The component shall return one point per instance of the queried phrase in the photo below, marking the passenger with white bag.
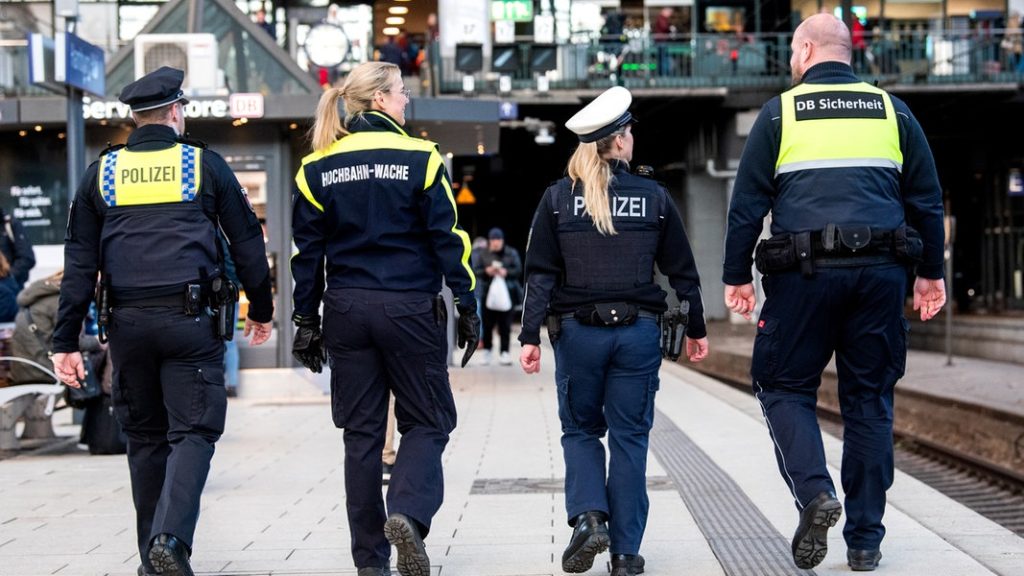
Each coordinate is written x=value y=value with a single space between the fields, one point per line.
x=498 y=271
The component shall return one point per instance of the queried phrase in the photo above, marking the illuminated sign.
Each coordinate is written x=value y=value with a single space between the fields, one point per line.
x=79 y=64
x=246 y=105
x=115 y=110
x=514 y=10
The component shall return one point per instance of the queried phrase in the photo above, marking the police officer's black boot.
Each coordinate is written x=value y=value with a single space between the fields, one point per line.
x=146 y=569
x=863 y=560
x=810 y=543
x=373 y=571
x=627 y=564
x=169 y=556
x=589 y=538
x=403 y=533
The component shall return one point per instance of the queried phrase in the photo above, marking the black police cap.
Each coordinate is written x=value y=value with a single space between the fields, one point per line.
x=160 y=87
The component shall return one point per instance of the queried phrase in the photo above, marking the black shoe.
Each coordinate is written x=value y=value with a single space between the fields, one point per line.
x=146 y=569
x=863 y=560
x=405 y=536
x=386 y=469
x=374 y=571
x=169 y=556
x=627 y=564
x=589 y=538
x=810 y=543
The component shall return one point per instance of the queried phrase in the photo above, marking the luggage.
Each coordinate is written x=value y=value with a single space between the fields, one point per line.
x=101 y=430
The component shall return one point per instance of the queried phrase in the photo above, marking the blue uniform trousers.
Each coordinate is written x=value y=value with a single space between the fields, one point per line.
x=168 y=393
x=381 y=343
x=857 y=313
x=607 y=379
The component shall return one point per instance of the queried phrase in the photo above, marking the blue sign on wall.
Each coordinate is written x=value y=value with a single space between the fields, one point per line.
x=508 y=110
x=80 y=64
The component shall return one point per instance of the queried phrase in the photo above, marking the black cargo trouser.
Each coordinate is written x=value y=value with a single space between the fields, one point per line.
x=169 y=396
x=381 y=342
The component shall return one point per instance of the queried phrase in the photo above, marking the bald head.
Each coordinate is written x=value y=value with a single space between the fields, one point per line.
x=820 y=38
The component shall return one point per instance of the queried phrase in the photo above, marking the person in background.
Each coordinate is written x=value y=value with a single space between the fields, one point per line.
x=261 y=21
x=856 y=204
x=9 y=289
x=231 y=356
x=17 y=248
x=498 y=260
x=590 y=273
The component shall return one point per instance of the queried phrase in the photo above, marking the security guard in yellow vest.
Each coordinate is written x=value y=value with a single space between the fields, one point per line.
x=847 y=174
x=147 y=215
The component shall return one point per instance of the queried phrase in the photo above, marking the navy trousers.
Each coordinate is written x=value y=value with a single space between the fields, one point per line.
x=856 y=313
x=169 y=396
x=607 y=379
x=381 y=343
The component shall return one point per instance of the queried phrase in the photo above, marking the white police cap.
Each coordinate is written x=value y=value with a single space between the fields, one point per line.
x=606 y=114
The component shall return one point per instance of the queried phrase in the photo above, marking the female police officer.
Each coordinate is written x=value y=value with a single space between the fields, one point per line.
x=377 y=206
x=596 y=237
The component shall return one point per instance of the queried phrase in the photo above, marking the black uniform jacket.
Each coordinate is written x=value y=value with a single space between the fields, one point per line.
x=756 y=190
x=569 y=264
x=222 y=199
x=376 y=211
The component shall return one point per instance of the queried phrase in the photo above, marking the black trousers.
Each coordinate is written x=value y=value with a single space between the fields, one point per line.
x=169 y=396
x=381 y=343
x=501 y=320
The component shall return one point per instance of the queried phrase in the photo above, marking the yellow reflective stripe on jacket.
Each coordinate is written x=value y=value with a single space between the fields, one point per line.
x=467 y=246
x=133 y=178
x=361 y=141
x=837 y=142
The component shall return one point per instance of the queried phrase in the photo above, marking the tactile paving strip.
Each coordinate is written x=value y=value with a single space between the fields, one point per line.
x=743 y=540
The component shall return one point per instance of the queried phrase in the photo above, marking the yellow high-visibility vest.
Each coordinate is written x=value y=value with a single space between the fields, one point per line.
x=838 y=126
x=131 y=178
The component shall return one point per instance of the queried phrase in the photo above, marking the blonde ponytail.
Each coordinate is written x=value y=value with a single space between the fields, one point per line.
x=589 y=166
x=327 y=128
x=360 y=86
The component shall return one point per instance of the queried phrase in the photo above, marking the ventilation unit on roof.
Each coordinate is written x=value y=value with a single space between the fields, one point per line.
x=196 y=54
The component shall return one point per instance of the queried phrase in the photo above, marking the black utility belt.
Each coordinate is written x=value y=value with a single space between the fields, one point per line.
x=609 y=314
x=192 y=298
x=838 y=246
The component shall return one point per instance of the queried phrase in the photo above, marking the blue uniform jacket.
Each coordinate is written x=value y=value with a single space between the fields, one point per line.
x=376 y=211
x=756 y=189
x=650 y=231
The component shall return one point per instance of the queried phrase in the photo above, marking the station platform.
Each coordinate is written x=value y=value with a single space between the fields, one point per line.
x=274 y=503
x=971 y=407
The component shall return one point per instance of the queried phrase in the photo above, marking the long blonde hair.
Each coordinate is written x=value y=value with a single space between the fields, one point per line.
x=588 y=164
x=360 y=85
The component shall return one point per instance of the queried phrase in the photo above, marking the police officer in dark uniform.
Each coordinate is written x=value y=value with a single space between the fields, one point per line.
x=147 y=216
x=373 y=209
x=596 y=237
x=847 y=174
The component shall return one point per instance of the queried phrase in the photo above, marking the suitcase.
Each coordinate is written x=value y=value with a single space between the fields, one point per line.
x=101 y=430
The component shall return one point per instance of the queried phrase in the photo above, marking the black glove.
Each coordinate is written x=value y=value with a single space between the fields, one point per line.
x=308 y=345
x=469 y=332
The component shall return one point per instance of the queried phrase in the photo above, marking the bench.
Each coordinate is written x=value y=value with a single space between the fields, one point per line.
x=32 y=402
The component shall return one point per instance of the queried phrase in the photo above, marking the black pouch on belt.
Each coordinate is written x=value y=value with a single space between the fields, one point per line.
x=775 y=254
x=855 y=238
x=607 y=314
x=907 y=245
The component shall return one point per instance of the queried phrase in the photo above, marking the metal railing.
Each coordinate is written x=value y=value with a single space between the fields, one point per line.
x=756 y=61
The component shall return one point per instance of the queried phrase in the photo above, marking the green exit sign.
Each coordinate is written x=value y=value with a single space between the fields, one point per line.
x=514 y=10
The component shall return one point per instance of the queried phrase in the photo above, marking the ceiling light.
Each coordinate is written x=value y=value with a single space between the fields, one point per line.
x=398 y=10
x=394 y=20
x=39 y=128
x=391 y=31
